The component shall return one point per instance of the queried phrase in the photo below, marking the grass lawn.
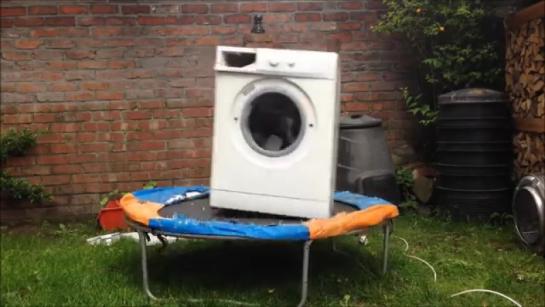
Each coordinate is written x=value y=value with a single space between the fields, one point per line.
x=53 y=265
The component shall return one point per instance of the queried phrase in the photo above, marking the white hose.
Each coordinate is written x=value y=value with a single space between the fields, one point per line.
x=404 y=241
x=488 y=291
x=426 y=263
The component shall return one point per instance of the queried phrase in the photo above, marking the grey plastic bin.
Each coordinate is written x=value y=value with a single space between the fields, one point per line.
x=364 y=163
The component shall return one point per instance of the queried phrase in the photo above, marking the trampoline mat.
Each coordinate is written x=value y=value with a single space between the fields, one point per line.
x=199 y=209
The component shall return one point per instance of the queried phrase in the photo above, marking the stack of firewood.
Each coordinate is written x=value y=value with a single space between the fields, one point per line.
x=525 y=85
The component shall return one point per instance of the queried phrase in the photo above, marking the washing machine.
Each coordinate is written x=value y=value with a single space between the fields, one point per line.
x=275 y=131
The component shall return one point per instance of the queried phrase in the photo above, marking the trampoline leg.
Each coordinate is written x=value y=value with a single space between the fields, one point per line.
x=304 y=284
x=145 y=281
x=386 y=230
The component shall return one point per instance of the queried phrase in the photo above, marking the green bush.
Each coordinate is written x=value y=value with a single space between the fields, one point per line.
x=17 y=143
x=454 y=43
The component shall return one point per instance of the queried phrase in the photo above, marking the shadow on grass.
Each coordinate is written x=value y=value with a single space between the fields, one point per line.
x=250 y=269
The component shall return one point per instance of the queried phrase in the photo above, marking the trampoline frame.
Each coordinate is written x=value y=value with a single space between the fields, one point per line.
x=144 y=231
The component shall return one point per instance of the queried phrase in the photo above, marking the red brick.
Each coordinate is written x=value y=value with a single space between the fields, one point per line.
x=60 y=44
x=207 y=20
x=149 y=20
x=104 y=127
x=73 y=9
x=355 y=107
x=224 y=8
x=282 y=7
x=94 y=85
x=135 y=115
x=60 y=21
x=195 y=8
x=276 y=18
x=62 y=65
x=208 y=41
x=120 y=64
x=342 y=37
x=186 y=20
x=62 y=148
x=375 y=5
x=79 y=96
x=224 y=30
x=107 y=95
x=90 y=64
x=6 y=22
x=118 y=21
x=197 y=112
x=309 y=6
x=135 y=9
x=237 y=19
x=104 y=9
x=350 y=5
x=52 y=32
x=42 y=10
x=308 y=17
x=355 y=87
x=66 y=169
x=337 y=16
x=30 y=87
x=27 y=43
x=350 y=26
x=64 y=127
x=253 y=7
x=28 y=21
x=91 y=21
x=63 y=87
x=17 y=119
x=79 y=54
x=16 y=55
x=12 y=11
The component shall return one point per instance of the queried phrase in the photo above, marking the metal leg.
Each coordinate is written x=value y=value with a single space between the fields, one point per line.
x=386 y=230
x=164 y=242
x=304 y=284
x=142 y=237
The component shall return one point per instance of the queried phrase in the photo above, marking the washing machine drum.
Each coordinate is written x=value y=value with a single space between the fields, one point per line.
x=529 y=211
x=272 y=124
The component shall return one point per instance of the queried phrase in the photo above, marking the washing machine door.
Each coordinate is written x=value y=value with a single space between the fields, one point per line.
x=275 y=118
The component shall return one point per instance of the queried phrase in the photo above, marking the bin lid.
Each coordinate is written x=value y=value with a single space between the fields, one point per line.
x=472 y=95
x=356 y=121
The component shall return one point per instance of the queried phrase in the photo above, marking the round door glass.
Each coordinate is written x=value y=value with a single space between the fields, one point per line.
x=273 y=124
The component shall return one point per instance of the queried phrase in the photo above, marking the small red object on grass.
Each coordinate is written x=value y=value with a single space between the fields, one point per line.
x=112 y=216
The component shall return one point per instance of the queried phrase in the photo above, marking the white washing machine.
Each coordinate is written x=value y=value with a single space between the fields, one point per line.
x=275 y=131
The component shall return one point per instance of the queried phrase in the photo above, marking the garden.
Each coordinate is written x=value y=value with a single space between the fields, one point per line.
x=453 y=216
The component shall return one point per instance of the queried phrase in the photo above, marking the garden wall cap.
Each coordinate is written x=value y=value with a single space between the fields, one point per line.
x=472 y=95
x=359 y=121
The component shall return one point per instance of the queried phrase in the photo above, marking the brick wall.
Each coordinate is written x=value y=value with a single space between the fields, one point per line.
x=124 y=89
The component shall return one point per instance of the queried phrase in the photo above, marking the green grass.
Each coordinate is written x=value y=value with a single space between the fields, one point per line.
x=53 y=265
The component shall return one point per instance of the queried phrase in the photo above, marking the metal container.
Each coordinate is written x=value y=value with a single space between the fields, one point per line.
x=364 y=162
x=529 y=212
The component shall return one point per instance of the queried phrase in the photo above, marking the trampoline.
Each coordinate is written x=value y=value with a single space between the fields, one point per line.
x=185 y=212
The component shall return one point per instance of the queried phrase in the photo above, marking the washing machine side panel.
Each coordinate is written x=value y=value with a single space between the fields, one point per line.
x=311 y=177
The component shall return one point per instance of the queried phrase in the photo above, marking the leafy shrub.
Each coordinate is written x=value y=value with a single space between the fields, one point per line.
x=21 y=189
x=17 y=143
x=453 y=43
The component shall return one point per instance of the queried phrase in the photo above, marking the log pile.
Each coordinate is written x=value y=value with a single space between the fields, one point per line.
x=525 y=85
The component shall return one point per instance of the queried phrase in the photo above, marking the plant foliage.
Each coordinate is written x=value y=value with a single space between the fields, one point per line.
x=452 y=42
x=17 y=143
